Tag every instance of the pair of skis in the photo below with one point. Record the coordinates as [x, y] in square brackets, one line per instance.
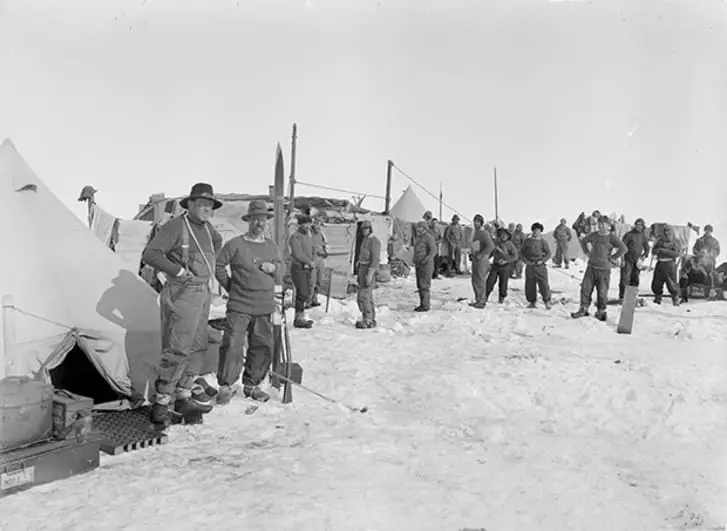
[282, 355]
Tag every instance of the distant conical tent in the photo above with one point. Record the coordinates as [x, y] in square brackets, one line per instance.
[408, 207]
[69, 290]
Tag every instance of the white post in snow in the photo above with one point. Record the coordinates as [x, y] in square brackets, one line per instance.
[8, 343]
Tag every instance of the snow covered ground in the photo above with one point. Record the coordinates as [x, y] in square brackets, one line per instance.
[504, 419]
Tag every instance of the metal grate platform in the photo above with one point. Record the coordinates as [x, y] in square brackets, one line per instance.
[126, 431]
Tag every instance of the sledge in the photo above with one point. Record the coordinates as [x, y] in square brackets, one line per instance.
[626, 317]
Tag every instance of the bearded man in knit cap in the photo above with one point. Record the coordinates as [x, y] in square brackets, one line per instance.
[301, 267]
[184, 250]
[369, 257]
[454, 236]
[254, 262]
[637, 250]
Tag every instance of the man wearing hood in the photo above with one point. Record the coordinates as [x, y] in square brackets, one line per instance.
[454, 236]
[667, 250]
[425, 249]
[504, 257]
[518, 238]
[301, 267]
[482, 247]
[637, 249]
[369, 257]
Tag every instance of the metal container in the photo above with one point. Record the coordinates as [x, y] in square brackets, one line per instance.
[26, 412]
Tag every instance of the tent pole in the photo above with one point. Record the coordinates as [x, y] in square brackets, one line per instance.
[387, 200]
[293, 153]
[440, 201]
[8, 305]
[497, 213]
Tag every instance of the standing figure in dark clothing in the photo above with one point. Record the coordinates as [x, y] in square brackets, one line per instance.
[637, 250]
[425, 249]
[369, 257]
[562, 235]
[432, 227]
[667, 251]
[301, 268]
[598, 247]
[184, 249]
[535, 252]
[706, 249]
[454, 236]
[518, 237]
[504, 257]
[482, 247]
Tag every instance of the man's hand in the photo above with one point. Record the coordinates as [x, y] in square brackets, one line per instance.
[268, 268]
[184, 273]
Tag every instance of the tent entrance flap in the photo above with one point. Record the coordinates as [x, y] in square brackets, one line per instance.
[77, 374]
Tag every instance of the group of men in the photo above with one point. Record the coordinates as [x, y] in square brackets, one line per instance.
[190, 254]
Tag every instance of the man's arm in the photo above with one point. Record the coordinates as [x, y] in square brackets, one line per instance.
[296, 251]
[548, 253]
[224, 257]
[619, 246]
[155, 254]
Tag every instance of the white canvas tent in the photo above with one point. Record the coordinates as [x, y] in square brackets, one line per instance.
[408, 207]
[69, 290]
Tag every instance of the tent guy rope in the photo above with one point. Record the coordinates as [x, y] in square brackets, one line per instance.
[430, 193]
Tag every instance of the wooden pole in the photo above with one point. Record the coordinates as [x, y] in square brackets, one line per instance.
[440, 201]
[387, 200]
[497, 212]
[8, 346]
[293, 150]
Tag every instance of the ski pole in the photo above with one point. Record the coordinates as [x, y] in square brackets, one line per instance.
[324, 397]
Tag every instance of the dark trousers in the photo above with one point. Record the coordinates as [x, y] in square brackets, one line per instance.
[185, 309]
[499, 273]
[436, 265]
[665, 273]
[480, 266]
[599, 279]
[365, 297]
[561, 252]
[629, 276]
[536, 279]
[301, 281]
[254, 332]
[455, 258]
[424, 282]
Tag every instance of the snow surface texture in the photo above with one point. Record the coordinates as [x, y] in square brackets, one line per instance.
[499, 419]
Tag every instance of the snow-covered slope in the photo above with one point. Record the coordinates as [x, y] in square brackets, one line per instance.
[504, 419]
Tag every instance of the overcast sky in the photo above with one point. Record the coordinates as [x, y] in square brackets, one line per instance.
[620, 106]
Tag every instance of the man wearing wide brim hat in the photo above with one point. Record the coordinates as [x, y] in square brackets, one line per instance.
[184, 249]
[301, 266]
[254, 262]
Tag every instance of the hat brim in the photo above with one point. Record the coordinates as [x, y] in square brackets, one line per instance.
[185, 201]
[246, 217]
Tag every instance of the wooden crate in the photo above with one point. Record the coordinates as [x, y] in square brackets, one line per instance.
[46, 462]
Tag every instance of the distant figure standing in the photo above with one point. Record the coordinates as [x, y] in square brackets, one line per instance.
[482, 247]
[368, 264]
[504, 256]
[425, 249]
[562, 237]
[706, 248]
[320, 253]
[432, 226]
[301, 267]
[667, 250]
[598, 247]
[454, 236]
[535, 253]
[518, 237]
[637, 249]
